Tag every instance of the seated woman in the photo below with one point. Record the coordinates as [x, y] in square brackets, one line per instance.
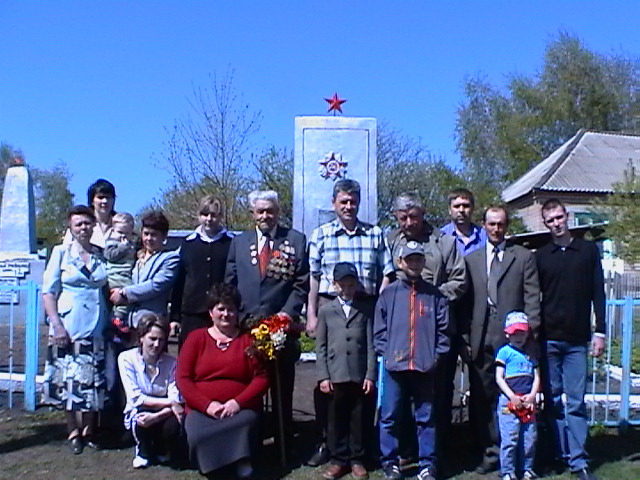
[154, 409]
[223, 387]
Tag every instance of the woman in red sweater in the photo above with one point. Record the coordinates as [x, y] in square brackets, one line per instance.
[223, 388]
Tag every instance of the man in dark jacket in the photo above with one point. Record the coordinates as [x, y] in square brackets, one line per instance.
[572, 283]
[269, 266]
[502, 278]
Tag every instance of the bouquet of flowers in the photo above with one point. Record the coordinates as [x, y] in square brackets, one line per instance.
[525, 412]
[269, 334]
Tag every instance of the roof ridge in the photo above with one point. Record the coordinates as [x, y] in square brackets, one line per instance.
[570, 146]
[610, 132]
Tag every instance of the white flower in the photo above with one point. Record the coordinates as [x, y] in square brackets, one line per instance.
[278, 339]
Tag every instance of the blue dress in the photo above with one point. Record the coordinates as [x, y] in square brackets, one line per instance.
[74, 374]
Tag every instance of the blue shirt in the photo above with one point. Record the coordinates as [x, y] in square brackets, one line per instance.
[478, 238]
[518, 368]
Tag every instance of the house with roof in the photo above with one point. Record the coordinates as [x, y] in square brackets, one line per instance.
[581, 170]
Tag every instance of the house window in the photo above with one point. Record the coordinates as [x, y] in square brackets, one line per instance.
[588, 218]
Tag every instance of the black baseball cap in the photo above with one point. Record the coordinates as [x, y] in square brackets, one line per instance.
[411, 248]
[344, 269]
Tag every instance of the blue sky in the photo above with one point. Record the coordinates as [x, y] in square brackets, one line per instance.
[96, 84]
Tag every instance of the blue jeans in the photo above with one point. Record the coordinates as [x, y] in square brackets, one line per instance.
[517, 440]
[418, 387]
[567, 365]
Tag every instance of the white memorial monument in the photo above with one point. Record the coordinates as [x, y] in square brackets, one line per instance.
[329, 148]
[19, 261]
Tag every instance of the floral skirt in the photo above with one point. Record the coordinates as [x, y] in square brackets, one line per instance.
[74, 376]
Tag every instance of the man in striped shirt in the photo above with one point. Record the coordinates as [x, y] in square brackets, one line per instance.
[345, 239]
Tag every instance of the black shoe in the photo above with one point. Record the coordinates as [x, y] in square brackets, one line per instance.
[555, 467]
[488, 465]
[407, 463]
[76, 445]
[320, 457]
[585, 474]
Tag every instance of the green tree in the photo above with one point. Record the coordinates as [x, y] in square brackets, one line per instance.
[405, 165]
[502, 134]
[208, 151]
[53, 201]
[275, 172]
[622, 208]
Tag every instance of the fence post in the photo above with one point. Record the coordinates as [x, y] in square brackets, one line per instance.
[625, 381]
[31, 346]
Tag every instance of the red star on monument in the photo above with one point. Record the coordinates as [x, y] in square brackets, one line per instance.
[335, 103]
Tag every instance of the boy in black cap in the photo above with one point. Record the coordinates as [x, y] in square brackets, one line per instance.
[346, 366]
[410, 333]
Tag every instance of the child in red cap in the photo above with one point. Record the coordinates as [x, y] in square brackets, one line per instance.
[518, 376]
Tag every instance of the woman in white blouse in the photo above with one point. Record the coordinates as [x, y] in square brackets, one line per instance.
[154, 408]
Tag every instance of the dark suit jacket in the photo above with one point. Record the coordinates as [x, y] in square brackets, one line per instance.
[286, 285]
[518, 289]
[344, 346]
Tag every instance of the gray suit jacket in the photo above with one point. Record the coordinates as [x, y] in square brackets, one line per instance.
[344, 346]
[518, 289]
[448, 266]
[152, 285]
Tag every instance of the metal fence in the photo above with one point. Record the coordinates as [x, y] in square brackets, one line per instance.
[614, 393]
[620, 286]
[19, 341]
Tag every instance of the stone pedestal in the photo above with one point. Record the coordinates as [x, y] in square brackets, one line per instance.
[328, 149]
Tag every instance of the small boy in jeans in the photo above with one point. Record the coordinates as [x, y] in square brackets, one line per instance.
[518, 376]
[120, 254]
[410, 333]
[346, 366]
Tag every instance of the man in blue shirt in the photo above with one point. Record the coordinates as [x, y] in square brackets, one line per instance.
[469, 237]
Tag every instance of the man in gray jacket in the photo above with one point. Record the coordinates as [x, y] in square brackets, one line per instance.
[502, 278]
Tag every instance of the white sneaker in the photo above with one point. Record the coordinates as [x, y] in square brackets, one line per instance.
[426, 474]
[530, 475]
[140, 462]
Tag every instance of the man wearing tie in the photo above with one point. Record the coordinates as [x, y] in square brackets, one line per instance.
[503, 278]
[269, 265]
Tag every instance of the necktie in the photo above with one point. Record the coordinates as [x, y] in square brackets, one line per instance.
[265, 255]
[494, 276]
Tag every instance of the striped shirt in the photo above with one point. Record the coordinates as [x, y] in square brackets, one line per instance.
[330, 244]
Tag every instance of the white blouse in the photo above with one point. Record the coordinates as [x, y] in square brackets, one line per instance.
[138, 386]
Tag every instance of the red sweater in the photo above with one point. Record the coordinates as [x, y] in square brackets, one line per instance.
[205, 373]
